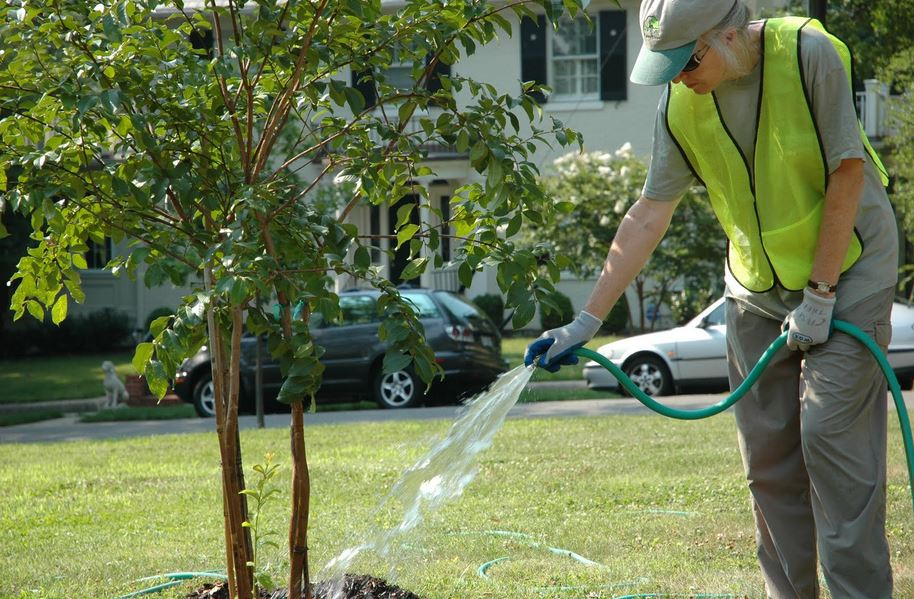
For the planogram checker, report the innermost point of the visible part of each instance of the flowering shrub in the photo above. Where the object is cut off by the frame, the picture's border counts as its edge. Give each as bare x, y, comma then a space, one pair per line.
592, 191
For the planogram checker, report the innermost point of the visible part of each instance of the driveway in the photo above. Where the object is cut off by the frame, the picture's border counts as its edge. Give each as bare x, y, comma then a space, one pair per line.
70, 429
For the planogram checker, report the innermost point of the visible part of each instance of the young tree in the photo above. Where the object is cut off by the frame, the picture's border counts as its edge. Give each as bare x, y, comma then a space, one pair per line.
594, 190
205, 165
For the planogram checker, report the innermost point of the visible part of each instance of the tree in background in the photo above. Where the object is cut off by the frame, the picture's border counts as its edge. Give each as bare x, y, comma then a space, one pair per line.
899, 74
875, 30
593, 191
205, 163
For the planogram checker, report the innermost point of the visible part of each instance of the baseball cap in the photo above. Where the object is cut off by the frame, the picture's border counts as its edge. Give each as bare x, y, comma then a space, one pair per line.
670, 29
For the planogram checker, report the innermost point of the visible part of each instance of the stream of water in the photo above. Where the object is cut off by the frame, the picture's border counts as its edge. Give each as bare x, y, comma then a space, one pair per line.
440, 475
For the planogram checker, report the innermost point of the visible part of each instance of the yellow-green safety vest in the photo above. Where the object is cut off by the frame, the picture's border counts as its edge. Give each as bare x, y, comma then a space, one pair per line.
772, 220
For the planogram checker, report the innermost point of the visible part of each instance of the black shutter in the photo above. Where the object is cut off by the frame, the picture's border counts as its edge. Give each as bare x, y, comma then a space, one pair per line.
433, 83
533, 52
364, 82
614, 66
202, 39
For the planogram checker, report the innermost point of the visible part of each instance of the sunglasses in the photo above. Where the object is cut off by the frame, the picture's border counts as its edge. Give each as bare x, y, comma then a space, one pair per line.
695, 60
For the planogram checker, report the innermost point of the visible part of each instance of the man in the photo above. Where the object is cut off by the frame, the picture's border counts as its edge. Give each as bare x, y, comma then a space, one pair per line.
762, 114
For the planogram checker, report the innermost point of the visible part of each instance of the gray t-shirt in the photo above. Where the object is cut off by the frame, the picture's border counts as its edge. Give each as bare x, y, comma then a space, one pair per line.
669, 176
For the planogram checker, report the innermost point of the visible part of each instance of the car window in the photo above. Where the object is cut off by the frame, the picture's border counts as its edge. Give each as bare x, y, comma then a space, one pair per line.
717, 315
422, 305
358, 309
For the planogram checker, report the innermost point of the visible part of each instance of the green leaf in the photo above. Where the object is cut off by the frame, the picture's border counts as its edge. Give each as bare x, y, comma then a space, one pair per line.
362, 257
79, 261
406, 111
465, 274
35, 310
463, 141
59, 310
355, 100
514, 225
395, 361
414, 269
403, 213
523, 314
406, 233
156, 378
480, 149
293, 389
141, 356
159, 324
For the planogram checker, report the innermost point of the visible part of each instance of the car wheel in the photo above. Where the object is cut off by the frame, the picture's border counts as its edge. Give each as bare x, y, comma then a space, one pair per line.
205, 397
398, 389
650, 374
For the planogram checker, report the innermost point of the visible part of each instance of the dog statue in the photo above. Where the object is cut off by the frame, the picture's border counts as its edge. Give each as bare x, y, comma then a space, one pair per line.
115, 392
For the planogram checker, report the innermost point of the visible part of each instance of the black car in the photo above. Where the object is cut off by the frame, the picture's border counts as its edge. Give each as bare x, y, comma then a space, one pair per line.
466, 343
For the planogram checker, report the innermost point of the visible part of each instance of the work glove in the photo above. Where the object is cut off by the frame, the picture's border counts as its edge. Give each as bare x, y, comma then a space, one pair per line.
810, 323
555, 347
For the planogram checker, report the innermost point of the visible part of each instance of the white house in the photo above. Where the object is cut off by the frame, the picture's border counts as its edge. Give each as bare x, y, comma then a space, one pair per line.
587, 68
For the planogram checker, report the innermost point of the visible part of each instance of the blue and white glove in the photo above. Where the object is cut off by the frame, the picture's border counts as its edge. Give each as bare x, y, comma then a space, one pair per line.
555, 347
810, 323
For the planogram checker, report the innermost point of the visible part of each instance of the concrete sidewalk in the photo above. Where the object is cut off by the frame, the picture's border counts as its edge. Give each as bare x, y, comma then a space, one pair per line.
70, 429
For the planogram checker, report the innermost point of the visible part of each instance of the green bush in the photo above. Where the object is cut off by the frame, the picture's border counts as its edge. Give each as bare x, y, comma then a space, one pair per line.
493, 305
617, 320
99, 331
551, 318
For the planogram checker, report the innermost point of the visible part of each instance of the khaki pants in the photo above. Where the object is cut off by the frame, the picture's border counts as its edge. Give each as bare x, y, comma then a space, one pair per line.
812, 433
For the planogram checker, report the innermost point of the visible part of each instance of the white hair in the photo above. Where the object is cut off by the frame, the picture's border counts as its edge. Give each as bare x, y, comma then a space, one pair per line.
740, 58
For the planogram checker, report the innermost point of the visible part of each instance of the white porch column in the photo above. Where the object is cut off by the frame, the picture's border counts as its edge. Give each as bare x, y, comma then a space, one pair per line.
874, 108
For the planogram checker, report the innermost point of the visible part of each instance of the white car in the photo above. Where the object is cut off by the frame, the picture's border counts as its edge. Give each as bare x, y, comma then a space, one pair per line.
695, 355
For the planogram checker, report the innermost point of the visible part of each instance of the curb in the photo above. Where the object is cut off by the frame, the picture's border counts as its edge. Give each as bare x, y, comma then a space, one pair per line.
67, 406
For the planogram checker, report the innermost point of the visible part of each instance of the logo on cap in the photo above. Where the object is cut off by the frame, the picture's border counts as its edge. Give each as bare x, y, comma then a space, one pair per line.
651, 28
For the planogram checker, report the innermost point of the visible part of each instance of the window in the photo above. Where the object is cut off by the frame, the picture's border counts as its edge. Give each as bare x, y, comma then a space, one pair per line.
358, 309
99, 254
578, 62
575, 62
717, 316
399, 75
400, 72
374, 229
422, 305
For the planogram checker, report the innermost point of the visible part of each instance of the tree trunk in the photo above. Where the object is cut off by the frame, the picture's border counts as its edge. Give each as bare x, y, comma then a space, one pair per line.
299, 578
237, 538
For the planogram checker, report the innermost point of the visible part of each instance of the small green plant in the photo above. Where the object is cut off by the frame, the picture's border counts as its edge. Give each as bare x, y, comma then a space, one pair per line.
261, 495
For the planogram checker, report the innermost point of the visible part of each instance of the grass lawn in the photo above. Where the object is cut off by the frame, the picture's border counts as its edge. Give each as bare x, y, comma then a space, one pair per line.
659, 504
60, 377
513, 349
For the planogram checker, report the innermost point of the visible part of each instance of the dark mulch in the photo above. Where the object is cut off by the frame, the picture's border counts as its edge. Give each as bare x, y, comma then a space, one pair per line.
354, 587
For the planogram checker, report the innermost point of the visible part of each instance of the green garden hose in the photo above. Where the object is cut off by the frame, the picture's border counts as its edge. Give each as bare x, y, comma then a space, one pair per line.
839, 325
173, 579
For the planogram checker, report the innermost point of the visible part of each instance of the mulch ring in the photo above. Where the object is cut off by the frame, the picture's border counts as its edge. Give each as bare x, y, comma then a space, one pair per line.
354, 587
